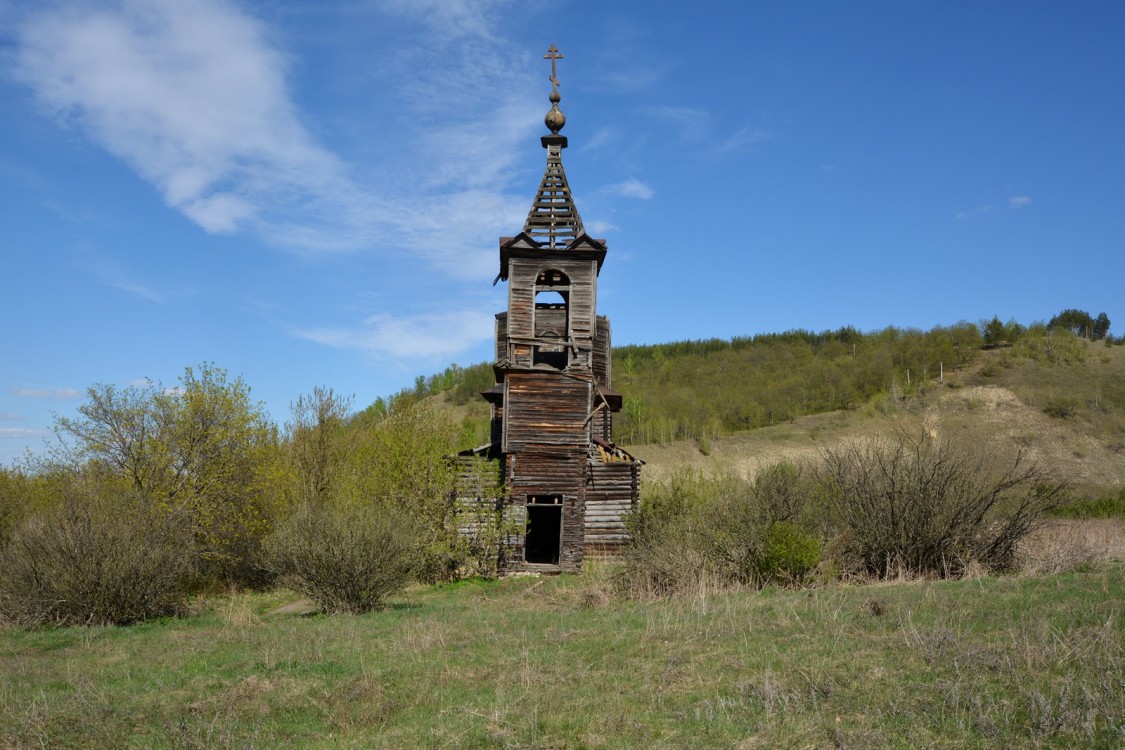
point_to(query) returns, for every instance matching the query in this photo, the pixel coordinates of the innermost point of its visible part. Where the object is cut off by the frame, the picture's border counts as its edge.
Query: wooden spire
(553, 221)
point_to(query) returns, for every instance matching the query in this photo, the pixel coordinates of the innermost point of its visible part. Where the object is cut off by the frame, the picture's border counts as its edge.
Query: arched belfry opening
(568, 486)
(552, 318)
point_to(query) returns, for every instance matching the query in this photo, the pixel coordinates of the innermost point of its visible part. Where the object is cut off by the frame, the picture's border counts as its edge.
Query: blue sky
(310, 193)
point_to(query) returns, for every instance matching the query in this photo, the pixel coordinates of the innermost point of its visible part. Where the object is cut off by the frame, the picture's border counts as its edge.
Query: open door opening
(543, 539)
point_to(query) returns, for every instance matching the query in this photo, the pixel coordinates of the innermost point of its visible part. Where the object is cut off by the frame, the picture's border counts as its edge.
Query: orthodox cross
(553, 55)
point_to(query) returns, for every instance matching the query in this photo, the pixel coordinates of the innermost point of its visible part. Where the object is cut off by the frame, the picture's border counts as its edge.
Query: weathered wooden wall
(610, 494)
(581, 295)
(546, 412)
(550, 322)
(501, 336)
(539, 474)
(603, 359)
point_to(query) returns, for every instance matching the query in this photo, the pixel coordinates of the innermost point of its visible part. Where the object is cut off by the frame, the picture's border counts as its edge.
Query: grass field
(1031, 661)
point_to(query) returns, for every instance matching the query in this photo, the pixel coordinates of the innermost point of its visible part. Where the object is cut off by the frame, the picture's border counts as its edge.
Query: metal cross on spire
(553, 55)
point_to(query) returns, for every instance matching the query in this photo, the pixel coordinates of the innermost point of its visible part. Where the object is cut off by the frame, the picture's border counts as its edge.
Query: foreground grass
(554, 663)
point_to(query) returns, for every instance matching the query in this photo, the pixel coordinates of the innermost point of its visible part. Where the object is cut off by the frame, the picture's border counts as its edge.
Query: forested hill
(706, 388)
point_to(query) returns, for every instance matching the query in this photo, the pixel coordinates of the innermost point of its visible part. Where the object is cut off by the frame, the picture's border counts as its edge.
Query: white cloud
(194, 97)
(598, 226)
(12, 417)
(431, 336)
(190, 95)
(1019, 201)
(45, 393)
(21, 433)
(630, 188)
(141, 383)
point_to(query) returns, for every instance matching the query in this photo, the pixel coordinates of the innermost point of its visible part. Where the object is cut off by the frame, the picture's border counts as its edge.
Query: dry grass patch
(1065, 545)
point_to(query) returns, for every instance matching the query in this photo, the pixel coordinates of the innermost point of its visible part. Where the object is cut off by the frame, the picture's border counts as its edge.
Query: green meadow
(562, 662)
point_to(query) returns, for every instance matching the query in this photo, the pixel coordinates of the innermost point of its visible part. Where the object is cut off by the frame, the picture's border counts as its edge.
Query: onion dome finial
(555, 119)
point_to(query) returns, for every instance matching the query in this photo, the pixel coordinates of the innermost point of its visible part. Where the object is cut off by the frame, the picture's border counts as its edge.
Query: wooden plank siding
(501, 336)
(531, 475)
(603, 357)
(546, 411)
(581, 294)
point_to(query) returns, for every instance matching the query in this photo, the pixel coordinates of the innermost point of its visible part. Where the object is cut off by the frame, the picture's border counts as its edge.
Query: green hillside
(744, 402)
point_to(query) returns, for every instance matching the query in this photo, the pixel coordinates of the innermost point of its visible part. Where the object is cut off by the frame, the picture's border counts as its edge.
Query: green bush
(788, 554)
(712, 532)
(96, 560)
(925, 506)
(1060, 406)
(344, 558)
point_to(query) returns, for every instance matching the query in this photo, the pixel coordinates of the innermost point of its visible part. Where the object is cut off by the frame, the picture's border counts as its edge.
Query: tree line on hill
(705, 388)
(701, 389)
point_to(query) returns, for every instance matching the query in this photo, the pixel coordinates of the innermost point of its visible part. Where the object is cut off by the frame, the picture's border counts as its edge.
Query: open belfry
(567, 485)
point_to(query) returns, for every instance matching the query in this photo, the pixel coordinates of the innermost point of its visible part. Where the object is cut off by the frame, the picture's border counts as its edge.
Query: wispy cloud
(601, 137)
(599, 227)
(699, 126)
(12, 417)
(453, 18)
(430, 336)
(690, 123)
(189, 94)
(21, 433)
(111, 273)
(630, 188)
(972, 213)
(1016, 201)
(743, 140)
(195, 98)
(45, 392)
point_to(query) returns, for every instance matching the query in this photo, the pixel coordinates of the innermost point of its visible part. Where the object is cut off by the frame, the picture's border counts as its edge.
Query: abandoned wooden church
(567, 485)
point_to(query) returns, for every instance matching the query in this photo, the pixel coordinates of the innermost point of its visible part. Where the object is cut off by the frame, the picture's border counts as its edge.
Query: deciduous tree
(203, 448)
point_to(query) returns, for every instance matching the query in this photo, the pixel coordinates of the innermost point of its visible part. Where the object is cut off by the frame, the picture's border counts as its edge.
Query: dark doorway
(544, 530)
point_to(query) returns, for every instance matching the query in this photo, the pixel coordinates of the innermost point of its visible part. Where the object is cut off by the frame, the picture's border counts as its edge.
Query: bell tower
(552, 405)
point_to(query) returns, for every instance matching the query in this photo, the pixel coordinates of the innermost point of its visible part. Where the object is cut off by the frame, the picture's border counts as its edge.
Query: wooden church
(567, 485)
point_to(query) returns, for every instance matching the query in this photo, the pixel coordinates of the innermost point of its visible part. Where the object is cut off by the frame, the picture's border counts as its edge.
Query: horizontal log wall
(611, 493)
(550, 320)
(546, 412)
(602, 424)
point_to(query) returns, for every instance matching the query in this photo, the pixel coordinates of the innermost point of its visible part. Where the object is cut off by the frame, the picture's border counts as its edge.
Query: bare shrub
(344, 558)
(95, 560)
(924, 506)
